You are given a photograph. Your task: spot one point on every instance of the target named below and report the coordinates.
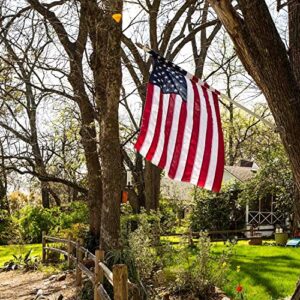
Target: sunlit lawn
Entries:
(266, 272)
(6, 252)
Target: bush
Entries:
(208, 271)
(9, 230)
(140, 242)
(217, 211)
(139, 232)
(168, 216)
(34, 220)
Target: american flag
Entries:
(181, 128)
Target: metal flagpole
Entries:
(225, 97)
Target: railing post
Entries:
(78, 261)
(69, 252)
(98, 273)
(43, 247)
(120, 281)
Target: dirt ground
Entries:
(16, 285)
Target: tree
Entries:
(275, 70)
(74, 47)
(105, 35)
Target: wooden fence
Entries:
(78, 255)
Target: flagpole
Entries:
(225, 97)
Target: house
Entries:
(259, 214)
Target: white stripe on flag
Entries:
(173, 132)
(187, 131)
(214, 147)
(201, 138)
(160, 146)
(152, 121)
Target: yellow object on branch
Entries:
(117, 17)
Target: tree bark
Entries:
(106, 35)
(265, 58)
(152, 190)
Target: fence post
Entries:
(43, 247)
(120, 281)
(98, 273)
(69, 251)
(78, 260)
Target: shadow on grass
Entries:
(268, 272)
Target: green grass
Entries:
(266, 272)
(6, 252)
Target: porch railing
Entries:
(264, 218)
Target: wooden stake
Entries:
(69, 252)
(98, 273)
(44, 257)
(120, 280)
(79, 260)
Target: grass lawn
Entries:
(266, 272)
(6, 252)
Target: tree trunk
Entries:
(3, 196)
(89, 142)
(294, 37)
(152, 186)
(109, 133)
(105, 34)
(294, 54)
(265, 58)
(45, 194)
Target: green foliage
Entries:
(273, 178)
(214, 211)
(168, 215)
(9, 230)
(34, 220)
(26, 261)
(139, 233)
(140, 242)
(201, 275)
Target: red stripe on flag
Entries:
(168, 125)
(220, 162)
(154, 143)
(194, 138)
(146, 117)
(208, 142)
(179, 140)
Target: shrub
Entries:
(140, 242)
(27, 262)
(76, 212)
(34, 220)
(139, 232)
(217, 211)
(202, 275)
(9, 229)
(168, 216)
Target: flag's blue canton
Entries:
(169, 77)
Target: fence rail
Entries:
(118, 277)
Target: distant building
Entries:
(259, 214)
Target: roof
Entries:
(171, 189)
(241, 173)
